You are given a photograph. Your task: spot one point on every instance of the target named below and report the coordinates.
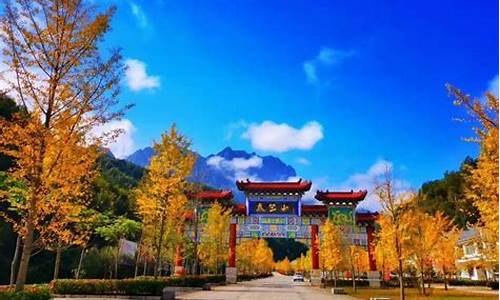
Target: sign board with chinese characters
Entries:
(341, 215)
(257, 207)
(274, 226)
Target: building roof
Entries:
(468, 234)
(327, 196)
(239, 209)
(366, 216)
(283, 186)
(314, 209)
(213, 195)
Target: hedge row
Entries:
(468, 282)
(34, 294)
(142, 286)
(346, 282)
(413, 282)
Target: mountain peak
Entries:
(141, 157)
(226, 171)
(228, 153)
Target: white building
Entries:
(472, 263)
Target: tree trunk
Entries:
(335, 280)
(158, 250)
(422, 277)
(116, 259)
(445, 279)
(58, 261)
(353, 280)
(26, 255)
(401, 283)
(15, 259)
(80, 263)
(145, 268)
(400, 267)
(195, 248)
(138, 257)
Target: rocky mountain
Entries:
(141, 157)
(222, 169)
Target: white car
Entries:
(298, 277)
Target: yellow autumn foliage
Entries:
(254, 257)
(331, 247)
(482, 183)
(284, 266)
(161, 203)
(213, 250)
(66, 90)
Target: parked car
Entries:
(298, 277)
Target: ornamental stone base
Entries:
(316, 277)
(231, 275)
(374, 279)
(179, 271)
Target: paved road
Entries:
(278, 287)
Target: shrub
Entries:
(32, 294)
(493, 285)
(468, 282)
(346, 282)
(140, 286)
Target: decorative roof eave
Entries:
(212, 195)
(282, 186)
(239, 210)
(340, 198)
(314, 210)
(367, 217)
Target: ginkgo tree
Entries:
(331, 248)
(161, 202)
(394, 221)
(284, 266)
(425, 231)
(385, 254)
(58, 74)
(445, 253)
(254, 256)
(482, 182)
(214, 244)
(355, 260)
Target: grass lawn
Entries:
(413, 294)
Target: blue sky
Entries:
(332, 88)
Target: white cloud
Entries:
(123, 145)
(270, 136)
(233, 127)
(137, 78)
(235, 164)
(240, 163)
(310, 70)
(238, 168)
(368, 181)
(215, 161)
(140, 16)
(325, 57)
(493, 86)
(303, 161)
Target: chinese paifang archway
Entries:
(275, 210)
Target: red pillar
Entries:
(232, 246)
(314, 247)
(370, 236)
(179, 256)
(179, 261)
